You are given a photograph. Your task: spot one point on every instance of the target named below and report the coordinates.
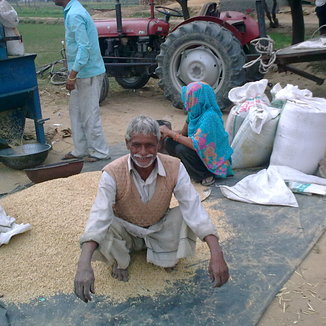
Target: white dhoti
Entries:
(85, 118)
(166, 242)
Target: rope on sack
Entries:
(263, 46)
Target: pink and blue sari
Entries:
(206, 128)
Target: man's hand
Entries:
(70, 84)
(84, 283)
(217, 269)
(84, 279)
(165, 131)
(71, 80)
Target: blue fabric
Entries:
(206, 128)
(82, 45)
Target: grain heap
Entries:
(42, 262)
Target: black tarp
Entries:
(270, 243)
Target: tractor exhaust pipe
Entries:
(118, 17)
(152, 6)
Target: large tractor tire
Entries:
(133, 82)
(104, 88)
(200, 51)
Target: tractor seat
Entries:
(209, 9)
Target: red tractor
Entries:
(211, 47)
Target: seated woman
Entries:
(202, 145)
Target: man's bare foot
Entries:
(119, 273)
(170, 269)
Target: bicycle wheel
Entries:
(59, 78)
(41, 70)
(59, 73)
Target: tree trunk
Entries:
(184, 7)
(298, 29)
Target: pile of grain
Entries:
(42, 262)
(11, 127)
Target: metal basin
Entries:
(53, 171)
(24, 156)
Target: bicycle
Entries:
(58, 71)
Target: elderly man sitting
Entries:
(131, 212)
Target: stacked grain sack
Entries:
(9, 19)
(251, 125)
(300, 140)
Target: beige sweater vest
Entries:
(129, 205)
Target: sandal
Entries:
(208, 181)
(91, 159)
(70, 156)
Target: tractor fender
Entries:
(252, 29)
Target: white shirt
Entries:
(102, 215)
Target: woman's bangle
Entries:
(72, 79)
(176, 136)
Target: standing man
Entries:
(131, 213)
(321, 14)
(86, 72)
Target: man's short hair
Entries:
(143, 125)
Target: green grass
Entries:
(36, 9)
(44, 40)
(44, 10)
(137, 14)
(281, 40)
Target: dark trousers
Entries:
(190, 159)
(321, 14)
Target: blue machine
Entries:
(19, 95)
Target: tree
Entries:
(298, 29)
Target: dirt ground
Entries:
(302, 301)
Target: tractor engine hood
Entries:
(132, 27)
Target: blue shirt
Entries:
(82, 45)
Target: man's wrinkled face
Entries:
(143, 149)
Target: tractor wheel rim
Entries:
(197, 61)
(199, 64)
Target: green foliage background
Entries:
(44, 40)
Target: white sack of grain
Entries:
(280, 95)
(245, 98)
(290, 174)
(290, 92)
(8, 227)
(266, 187)
(300, 140)
(8, 15)
(253, 143)
(14, 47)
